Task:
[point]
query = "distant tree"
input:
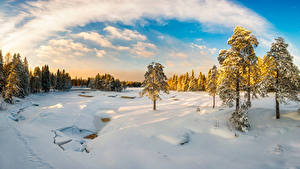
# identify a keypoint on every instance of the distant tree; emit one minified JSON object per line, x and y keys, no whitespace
{"x":212,"y":82}
{"x":2,"y":74}
{"x":21,"y":75}
{"x":281,"y":74}
{"x":155,"y":81}
{"x":12,"y":87}
{"x":25,"y":77}
{"x":46,"y":78}
{"x":52,"y":80}
{"x":192,"y":82}
{"x":37,"y":80}
{"x":58,"y":80}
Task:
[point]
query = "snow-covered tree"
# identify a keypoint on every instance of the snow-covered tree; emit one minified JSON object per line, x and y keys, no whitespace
{"x":155,"y":81}
{"x":212,"y":82}
{"x":25,"y":77}
{"x":192,"y":82}
{"x":282,"y":75}
{"x":243,"y":42}
{"x":20,"y":71}
{"x":239,"y":119}
{"x":185,"y":82}
{"x":231,"y":77}
{"x":12,"y":87}
{"x":2,"y":74}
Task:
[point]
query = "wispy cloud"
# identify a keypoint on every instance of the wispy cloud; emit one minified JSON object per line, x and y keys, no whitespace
{"x":37,"y":22}
{"x":125,"y":34}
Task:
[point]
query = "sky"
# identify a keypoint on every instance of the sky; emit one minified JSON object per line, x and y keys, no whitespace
{"x":122,"y":37}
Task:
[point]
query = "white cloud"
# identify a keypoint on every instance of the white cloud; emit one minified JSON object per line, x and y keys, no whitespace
{"x":52,"y":16}
{"x":142,"y":49}
{"x":101,"y":40}
{"x":125,"y":34}
{"x":95,"y":37}
{"x":61,"y":50}
{"x":198,"y":46}
{"x":100,"y":53}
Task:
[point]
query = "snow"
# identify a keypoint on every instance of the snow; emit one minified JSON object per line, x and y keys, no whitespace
{"x":136,"y":137}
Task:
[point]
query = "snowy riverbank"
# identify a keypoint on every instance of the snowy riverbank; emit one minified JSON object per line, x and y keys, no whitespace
{"x":174,"y":136}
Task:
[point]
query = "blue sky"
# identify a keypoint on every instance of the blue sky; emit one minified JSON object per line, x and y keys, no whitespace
{"x":122,"y":37}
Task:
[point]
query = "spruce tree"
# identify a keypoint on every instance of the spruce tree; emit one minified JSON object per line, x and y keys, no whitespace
{"x":12,"y":87}
{"x":52,"y":81}
{"x":37,"y":83}
{"x":155,"y":81}
{"x":2,"y":74}
{"x":25,"y":78}
{"x":232,"y":62}
{"x":281,"y":74}
{"x":58,"y":80}
{"x":46,"y":78}
{"x":243,"y":42}
{"x":212,"y":82}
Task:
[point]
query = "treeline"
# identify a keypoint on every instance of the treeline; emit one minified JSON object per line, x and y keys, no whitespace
{"x":16,"y":80}
{"x":105,"y":82}
{"x":132,"y":83}
{"x":79,"y":82}
{"x":187,"y":83}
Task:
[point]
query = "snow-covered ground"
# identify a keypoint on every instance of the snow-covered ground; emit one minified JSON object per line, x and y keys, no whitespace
{"x":132,"y":136}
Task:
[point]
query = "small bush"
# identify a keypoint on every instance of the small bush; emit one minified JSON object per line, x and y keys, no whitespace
{"x":239,"y":119}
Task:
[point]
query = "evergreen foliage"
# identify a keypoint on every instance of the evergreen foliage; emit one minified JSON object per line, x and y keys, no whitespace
{"x":186,"y":83}
{"x":212,"y":83}
{"x":281,"y":75}
{"x":17,"y":81}
{"x":105,"y":82}
{"x":155,"y":81}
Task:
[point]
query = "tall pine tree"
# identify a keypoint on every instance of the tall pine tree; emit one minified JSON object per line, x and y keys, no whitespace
{"x":281,"y":74}
{"x":212,"y":83}
{"x":155,"y":81}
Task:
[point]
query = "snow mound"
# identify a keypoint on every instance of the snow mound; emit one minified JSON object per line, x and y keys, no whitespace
{"x":56,"y":106}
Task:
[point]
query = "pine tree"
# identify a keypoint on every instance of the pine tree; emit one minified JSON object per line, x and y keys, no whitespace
{"x":212,"y":82}
{"x":239,"y":119}
{"x":52,"y":80}
{"x":46,"y":78}
{"x":243,"y":42}
{"x":37,"y":82}
{"x":232,"y":62}
{"x":12,"y":87}
{"x":2,"y":74}
{"x":192,"y":82}
{"x":281,"y":74}
{"x":58,"y":80}
{"x":185,"y":82}
{"x":155,"y":81}
{"x":20,"y":72}
{"x":25,"y":79}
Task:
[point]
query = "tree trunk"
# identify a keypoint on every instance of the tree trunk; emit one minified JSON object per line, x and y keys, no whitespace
{"x":249,"y":89}
{"x":277,"y":106}
{"x":276,"y":96}
{"x":237,"y":90}
{"x":214,"y":101}
{"x":154,"y":104}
